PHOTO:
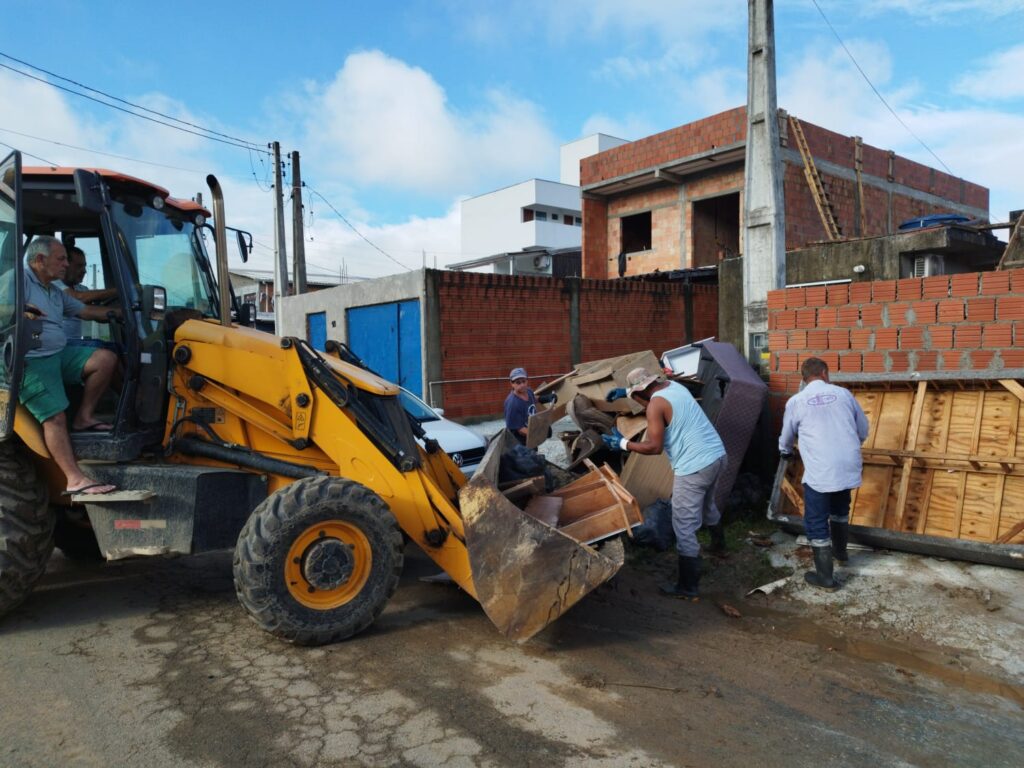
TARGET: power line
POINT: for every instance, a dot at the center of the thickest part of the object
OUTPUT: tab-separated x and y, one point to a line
106	154
361	235
125	101
128	111
37	157
879	95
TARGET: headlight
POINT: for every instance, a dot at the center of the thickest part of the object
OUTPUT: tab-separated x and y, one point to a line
158	202
200	219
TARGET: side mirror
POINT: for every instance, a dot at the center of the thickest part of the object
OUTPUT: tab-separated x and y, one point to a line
244	244
89	190
439	411
244	316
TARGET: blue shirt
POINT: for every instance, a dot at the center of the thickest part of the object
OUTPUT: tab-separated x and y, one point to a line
57	305
830	425
73	323
691	441
518	411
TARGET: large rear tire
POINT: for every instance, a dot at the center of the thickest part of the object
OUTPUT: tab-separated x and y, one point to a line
26	525
318	560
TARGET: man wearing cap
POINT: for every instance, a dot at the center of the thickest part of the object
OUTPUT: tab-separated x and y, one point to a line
677	425
520	404
831	426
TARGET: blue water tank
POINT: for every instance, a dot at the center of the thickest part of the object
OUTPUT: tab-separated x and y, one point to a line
934	220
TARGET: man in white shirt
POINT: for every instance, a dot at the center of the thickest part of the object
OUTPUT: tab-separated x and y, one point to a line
830	426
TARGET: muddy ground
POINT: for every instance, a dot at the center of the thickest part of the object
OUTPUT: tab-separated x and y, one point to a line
154	663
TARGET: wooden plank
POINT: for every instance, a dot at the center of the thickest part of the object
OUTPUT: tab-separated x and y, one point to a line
922	519
910	445
975	441
1009	536
1011	448
599	525
1014	387
792	494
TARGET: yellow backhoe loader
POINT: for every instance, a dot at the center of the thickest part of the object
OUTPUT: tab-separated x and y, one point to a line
224	436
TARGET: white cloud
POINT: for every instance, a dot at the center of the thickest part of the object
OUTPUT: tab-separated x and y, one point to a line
629	127
999	77
974	143
408	245
381	121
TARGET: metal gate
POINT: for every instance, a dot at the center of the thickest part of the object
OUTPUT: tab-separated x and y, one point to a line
387	338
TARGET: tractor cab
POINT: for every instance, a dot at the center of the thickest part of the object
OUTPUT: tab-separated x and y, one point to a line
137	240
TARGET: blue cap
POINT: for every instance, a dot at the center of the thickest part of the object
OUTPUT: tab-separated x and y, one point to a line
517	373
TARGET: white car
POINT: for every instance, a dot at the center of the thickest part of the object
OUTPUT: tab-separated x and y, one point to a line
464	445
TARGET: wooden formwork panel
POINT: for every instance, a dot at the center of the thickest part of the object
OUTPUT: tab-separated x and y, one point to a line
942	458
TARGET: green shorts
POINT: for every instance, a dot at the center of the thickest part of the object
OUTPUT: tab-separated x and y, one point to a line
42	386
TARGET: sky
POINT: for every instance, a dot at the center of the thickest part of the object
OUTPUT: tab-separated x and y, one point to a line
401	109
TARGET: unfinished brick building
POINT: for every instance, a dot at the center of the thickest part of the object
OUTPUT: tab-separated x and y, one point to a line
674	200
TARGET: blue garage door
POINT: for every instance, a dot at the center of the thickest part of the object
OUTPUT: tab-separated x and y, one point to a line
316	330
387	338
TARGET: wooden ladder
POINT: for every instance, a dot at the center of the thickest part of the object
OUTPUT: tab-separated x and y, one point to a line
821	199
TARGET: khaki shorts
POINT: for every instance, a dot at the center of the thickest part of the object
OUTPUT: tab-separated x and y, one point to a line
42	386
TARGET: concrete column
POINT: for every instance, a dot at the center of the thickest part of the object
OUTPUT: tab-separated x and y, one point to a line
764	242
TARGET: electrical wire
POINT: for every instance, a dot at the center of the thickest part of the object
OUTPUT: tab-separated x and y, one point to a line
125	101
353	228
108	154
129	112
879	95
37	157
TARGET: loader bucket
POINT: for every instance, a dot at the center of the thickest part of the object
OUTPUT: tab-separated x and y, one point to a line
526	573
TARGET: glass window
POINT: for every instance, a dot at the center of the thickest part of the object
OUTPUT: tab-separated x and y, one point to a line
167	253
417	408
527	214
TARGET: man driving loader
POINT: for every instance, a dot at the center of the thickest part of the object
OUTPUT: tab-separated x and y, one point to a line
54	365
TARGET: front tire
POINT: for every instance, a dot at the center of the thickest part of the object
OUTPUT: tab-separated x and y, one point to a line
26	525
318	560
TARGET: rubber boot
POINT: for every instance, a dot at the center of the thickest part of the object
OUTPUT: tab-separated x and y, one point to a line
688	581
821	576
717	532
840	536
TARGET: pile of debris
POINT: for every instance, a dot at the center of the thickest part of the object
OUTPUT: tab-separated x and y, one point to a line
731	394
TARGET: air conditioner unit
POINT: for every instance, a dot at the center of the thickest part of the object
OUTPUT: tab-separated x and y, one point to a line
542	262
926	266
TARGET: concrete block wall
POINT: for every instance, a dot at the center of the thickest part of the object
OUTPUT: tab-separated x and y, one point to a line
492	323
963	322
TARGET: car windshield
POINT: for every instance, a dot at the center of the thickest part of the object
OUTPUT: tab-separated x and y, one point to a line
167	253
417	408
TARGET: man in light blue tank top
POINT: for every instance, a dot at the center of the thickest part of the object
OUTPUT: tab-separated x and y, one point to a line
677	425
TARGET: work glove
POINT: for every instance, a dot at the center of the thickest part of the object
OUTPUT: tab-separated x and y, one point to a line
614	441
615	394
548	398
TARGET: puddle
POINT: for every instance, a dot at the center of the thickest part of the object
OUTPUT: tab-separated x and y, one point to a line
919	661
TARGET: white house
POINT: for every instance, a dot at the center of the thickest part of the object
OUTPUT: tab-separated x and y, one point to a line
534	214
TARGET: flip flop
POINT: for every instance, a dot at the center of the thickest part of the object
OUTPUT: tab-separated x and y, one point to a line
88	490
96	426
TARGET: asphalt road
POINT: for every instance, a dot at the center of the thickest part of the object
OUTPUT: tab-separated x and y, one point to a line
153	663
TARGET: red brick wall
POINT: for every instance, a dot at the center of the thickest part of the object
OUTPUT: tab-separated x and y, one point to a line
492	323
972	321
719	130
620	317
803	223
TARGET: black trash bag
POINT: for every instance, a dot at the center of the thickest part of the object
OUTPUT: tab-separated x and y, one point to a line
522	463
656	529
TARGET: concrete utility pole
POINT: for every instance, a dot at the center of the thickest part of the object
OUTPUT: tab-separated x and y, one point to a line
764	246
280	252
298	244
